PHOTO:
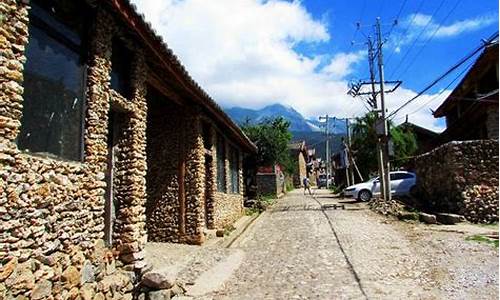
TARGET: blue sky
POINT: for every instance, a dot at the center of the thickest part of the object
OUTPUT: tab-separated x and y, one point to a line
437	55
252	53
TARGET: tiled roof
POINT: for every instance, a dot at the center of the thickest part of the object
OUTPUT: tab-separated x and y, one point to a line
161	46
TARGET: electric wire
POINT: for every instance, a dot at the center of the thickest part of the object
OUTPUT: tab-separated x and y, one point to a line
459	75
417	38
445	74
429	39
406	31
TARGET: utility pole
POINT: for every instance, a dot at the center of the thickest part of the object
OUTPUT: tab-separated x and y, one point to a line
387	165
326	118
350	170
381	173
356	89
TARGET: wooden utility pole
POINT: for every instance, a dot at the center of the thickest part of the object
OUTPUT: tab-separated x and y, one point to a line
351	160
381	173
326	118
385	138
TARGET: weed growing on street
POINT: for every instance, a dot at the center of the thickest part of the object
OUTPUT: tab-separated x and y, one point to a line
482	239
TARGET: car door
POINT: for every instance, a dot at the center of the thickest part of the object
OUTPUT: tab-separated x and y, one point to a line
375	188
407	182
396	180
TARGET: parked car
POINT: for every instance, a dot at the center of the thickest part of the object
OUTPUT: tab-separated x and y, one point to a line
402	184
322	180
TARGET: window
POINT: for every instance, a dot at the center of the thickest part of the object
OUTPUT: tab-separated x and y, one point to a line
54	81
400	176
221	165
120	68
234	161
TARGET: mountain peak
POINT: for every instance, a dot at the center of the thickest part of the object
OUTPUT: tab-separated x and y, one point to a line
297	121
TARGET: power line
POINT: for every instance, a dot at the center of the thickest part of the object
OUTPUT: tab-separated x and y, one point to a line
443	90
430	38
417	38
407	28
449	71
396	19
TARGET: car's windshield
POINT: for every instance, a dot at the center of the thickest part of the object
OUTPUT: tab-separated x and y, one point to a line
373	179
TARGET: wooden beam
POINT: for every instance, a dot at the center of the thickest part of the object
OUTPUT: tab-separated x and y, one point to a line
157	83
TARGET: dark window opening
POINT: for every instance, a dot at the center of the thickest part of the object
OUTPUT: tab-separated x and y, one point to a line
54	82
207	141
121	68
221	165
234	161
489	82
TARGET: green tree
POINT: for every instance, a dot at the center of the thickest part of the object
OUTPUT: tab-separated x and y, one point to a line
272	137
364	144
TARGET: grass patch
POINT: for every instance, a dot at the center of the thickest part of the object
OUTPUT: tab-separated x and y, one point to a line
228	229
250	211
482	239
491	225
336	189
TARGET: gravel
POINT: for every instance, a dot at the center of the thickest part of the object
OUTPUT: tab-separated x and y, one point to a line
296	250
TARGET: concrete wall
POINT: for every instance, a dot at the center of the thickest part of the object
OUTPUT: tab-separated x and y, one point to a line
461	177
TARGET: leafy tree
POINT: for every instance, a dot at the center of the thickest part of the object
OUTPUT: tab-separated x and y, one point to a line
364	144
271	137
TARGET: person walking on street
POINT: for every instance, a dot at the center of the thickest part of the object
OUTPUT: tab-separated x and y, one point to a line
307	185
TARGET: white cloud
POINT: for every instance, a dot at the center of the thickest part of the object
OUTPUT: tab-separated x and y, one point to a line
404	35
242	53
341	64
465	26
441	30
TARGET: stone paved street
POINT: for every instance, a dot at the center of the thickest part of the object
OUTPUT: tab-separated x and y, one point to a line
293	251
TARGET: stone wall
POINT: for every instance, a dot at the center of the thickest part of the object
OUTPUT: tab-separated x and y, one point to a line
461	177
51	219
164	150
227	207
270	184
492	122
53	212
171	143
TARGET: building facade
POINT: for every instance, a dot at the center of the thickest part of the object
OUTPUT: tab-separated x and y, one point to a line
105	143
471	110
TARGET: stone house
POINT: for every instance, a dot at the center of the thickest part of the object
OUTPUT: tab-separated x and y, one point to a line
461	174
471	110
298	152
105	143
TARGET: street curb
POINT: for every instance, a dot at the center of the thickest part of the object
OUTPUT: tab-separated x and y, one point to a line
233	237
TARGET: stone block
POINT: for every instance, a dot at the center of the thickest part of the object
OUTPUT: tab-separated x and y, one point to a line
159	295
157	281
427	218
448	219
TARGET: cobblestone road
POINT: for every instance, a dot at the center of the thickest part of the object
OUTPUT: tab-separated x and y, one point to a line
294	251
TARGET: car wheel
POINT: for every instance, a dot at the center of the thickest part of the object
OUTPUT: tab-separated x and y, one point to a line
364	195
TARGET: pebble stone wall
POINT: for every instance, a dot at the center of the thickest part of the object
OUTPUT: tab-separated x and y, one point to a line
164	217
52	212
461	177
227	207
51	218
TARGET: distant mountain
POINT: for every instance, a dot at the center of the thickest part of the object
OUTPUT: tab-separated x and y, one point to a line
297	121
310	130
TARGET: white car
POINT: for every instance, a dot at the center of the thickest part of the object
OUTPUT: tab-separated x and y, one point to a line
402	183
